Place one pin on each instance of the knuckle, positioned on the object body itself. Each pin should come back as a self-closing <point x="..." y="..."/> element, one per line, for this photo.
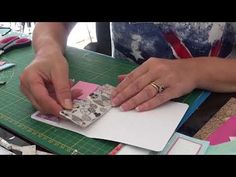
<point x="162" y="67"/>
<point x="130" y="77"/>
<point x="136" y="87"/>
<point x="28" y="78"/>
<point x="171" y="77"/>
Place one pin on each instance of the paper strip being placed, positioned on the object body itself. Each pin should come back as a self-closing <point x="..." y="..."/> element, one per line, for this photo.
<point x="86" y="87"/>
<point x="149" y="130"/>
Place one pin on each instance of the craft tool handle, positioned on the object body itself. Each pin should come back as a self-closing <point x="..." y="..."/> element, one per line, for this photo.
<point x="4" y="42"/>
<point x="23" y="42"/>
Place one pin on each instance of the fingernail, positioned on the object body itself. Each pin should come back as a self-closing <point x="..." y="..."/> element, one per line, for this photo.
<point x="137" y="109"/>
<point x="68" y="104"/>
<point x="125" y="107"/>
<point x="121" y="109"/>
<point x="140" y="108"/>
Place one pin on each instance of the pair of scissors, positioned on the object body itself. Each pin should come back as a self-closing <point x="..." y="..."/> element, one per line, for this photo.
<point x="13" y="42"/>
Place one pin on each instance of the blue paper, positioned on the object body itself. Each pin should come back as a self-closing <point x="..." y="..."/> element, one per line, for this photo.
<point x="192" y="108"/>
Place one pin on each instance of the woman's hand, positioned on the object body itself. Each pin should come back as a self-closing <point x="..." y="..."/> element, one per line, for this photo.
<point x="177" y="77"/>
<point x="45" y="82"/>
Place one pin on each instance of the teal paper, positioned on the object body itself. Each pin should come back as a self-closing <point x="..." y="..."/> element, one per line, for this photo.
<point x="228" y="148"/>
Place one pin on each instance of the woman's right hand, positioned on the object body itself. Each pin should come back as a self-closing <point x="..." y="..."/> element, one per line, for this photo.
<point x="45" y="82"/>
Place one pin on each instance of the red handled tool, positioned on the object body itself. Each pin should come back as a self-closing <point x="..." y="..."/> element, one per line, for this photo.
<point x="13" y="42"/>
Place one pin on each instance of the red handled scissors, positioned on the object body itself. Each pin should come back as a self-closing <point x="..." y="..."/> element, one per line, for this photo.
<point x="13" y="42"/>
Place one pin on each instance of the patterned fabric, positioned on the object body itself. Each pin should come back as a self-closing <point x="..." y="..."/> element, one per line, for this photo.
<point x="139" y="41"/>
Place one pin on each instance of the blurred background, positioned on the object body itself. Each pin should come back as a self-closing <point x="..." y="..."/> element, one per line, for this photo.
<point x="82" y="34"/>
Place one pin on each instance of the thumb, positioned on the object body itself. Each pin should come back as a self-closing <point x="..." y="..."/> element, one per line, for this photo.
<point x="62" y="88"/>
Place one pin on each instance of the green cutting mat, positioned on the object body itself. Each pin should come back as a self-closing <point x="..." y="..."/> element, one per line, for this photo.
<point x="15" y="109"/>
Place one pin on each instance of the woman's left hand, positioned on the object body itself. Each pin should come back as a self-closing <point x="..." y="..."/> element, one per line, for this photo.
<point x="177" y="77"/>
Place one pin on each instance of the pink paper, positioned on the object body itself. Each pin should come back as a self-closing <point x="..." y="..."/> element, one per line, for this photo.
<point x="47" y="117"/>
<point x="223" y="133"/>
<point x="86" y="87"/>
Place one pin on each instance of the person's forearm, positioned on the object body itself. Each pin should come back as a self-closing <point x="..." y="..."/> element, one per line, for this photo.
<point x="214" y="74"/>
<point x="49" y="38"/>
